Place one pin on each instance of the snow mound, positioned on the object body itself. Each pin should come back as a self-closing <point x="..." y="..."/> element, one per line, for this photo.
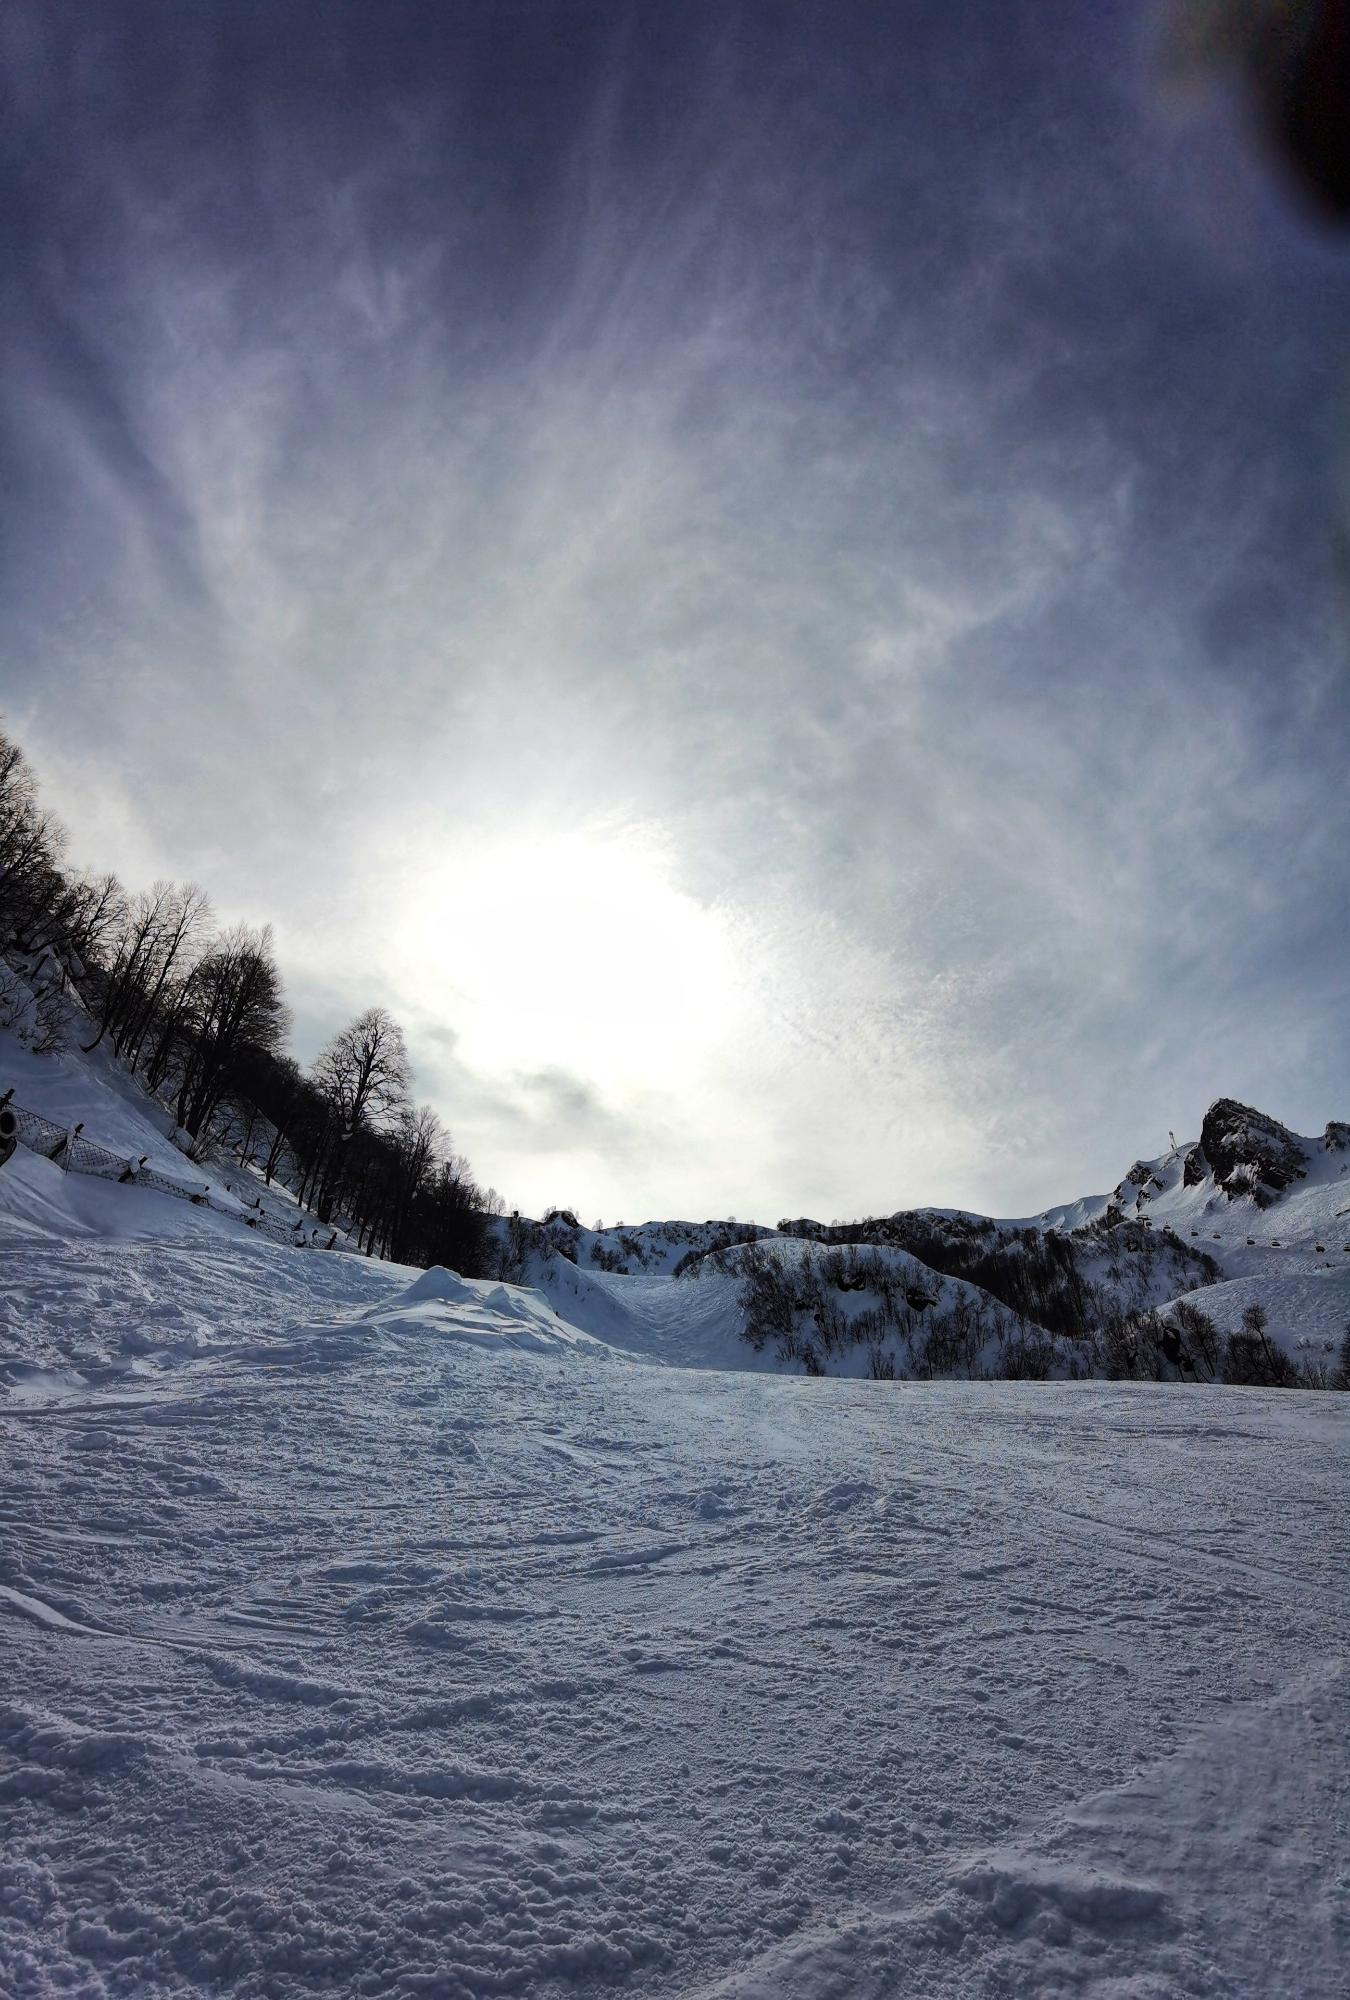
<point x="438" y="1283"/>
<point x="480" y="1312"/>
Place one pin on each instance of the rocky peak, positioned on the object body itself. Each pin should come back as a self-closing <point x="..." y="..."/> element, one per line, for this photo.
<point x="1248" y="1152"/>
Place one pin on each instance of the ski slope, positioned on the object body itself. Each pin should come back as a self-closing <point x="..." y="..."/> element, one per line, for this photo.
<point x="373" y="1632"/>
<point x="679" y="1323"/>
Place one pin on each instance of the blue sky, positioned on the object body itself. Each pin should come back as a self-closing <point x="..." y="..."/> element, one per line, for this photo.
<point x="769" y="578"/>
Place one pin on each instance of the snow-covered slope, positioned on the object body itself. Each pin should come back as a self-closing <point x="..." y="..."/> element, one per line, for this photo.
<point x="91" y="1091"/>
<point x="1272" y="1208"/>
<point x="378" y="1631"/>
<point x="370" y="1633"/>
<point x="1248" y="1215"/>
<point x="1247" y="1183"/>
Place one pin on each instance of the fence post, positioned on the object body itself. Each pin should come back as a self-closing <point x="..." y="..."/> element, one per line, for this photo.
<point x="64" y="1150"/>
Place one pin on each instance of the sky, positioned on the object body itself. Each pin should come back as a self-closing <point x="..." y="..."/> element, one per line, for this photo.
<point x="768" y="578"/>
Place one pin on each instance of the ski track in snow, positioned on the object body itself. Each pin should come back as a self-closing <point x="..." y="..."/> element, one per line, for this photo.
<point x="346" y="1655"/>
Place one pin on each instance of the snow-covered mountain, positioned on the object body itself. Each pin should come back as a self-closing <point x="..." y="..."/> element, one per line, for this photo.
<point x="1150" y="1280"/>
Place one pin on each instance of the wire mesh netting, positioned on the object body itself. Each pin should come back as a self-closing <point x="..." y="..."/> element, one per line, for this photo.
<point x="77" y="1155"/>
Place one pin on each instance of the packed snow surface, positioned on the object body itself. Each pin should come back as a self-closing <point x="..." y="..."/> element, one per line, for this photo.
<point x="373" y="1632"/>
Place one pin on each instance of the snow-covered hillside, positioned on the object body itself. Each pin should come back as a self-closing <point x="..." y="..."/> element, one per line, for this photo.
<point x="369" y="1632"/>
<point x="91" y="1093"/>
<point x="375" y="1631"/>
<point x="1250" y="1215"/>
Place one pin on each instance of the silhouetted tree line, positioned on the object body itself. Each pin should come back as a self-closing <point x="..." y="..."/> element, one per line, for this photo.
<point x="199" y="1014"/>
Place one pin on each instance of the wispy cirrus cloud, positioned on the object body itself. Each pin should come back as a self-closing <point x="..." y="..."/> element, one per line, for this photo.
<point x="772" y="588"/>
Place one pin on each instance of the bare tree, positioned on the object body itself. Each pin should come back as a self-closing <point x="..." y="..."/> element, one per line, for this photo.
<point x="162" y="934"/>
<point x="414" y="1149"/>
<point x="232" y="1002"/>
<point x="364" y="1071"/>
<point x="92" y="909"/>
<point x="363" y="1077"/>
<point x="31" y="844"/>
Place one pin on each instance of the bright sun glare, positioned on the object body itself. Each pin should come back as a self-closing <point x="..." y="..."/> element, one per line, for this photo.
<point x="587" y="956"/>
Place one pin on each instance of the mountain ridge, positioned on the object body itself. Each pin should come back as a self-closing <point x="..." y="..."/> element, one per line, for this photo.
<point x="1248" y="1215"/>
<point x="1155" y="1279"/>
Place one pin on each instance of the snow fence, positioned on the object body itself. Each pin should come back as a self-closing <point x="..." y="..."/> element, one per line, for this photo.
<point x="67" y="1146"/>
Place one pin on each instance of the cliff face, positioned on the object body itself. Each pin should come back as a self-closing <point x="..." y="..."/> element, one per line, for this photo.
<point x="1247" y="1152"/>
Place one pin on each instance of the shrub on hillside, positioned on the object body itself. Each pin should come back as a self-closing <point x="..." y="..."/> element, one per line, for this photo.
<point x="1201" y="1340"/>
<point x="1252" y="1359"/>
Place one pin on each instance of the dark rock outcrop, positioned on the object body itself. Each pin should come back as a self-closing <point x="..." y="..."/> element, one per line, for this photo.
<point x="1248" y="1152"/>
<point x="1138" y="1186"/>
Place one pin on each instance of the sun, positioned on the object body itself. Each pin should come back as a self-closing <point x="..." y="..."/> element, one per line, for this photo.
<point x="576" y="948"/>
